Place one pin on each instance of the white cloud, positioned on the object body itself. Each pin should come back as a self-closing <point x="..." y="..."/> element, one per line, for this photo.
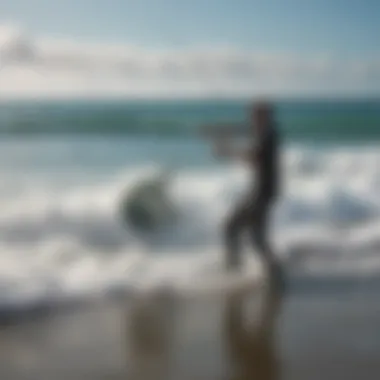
<point x="52" y="67"/>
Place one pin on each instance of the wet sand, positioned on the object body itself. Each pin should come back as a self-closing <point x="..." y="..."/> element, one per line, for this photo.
<point x="262" y="336"/>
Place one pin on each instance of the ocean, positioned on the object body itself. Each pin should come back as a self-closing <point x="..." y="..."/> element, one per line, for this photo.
<point x="65" y="164"/>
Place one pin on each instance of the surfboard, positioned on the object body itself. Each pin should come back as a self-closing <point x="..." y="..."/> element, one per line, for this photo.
<point x="147" y="206"/>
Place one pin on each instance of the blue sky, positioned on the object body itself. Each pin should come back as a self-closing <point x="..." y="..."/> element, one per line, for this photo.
<point x="343" y="30"/>
<point x="339" y="26"/>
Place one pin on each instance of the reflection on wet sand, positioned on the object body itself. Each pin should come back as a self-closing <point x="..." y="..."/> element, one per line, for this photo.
<point x="153" y="342"/>
<point x="252" y="350"/>
<point x="151" y="336"/>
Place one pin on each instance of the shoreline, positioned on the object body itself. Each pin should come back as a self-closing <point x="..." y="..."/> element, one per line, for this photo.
<point x="243" y="336"/>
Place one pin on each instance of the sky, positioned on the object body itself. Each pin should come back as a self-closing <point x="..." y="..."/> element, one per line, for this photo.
<point x="176" y="48"/>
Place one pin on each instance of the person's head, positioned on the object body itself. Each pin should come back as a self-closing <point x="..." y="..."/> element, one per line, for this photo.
<point x="261" y="115"/>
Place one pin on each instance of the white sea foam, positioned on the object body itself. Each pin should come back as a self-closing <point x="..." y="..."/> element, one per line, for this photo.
<point x="63" y="242"/>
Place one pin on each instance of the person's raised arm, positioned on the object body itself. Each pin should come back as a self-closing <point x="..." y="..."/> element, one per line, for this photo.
<point x="224" y="149"/>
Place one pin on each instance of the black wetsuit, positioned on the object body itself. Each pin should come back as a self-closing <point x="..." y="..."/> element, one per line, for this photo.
<point x="254" y="211"/>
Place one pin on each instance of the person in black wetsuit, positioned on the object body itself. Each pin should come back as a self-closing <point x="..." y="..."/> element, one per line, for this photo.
<point x="253" y="212"/>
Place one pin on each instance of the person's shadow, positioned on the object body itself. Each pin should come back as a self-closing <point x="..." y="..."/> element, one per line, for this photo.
<point x="252" y="350"/>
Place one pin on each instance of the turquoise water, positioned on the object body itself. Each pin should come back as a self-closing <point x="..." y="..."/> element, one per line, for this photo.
<point x="299" y="121"/>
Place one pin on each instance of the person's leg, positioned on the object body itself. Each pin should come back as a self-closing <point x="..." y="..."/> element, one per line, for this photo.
<point x="234" y="226"/>
<point x="259" y="235"/>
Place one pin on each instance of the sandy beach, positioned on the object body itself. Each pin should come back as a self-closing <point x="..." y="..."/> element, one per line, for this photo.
<point x="305" y="336"/>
